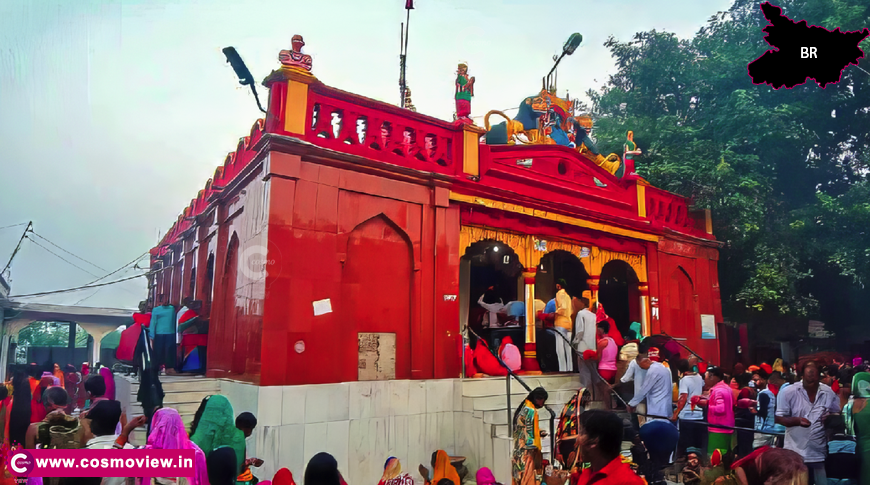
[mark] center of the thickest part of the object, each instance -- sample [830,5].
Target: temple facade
[342,225]
[345,246]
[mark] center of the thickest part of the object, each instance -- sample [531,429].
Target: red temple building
[347,239]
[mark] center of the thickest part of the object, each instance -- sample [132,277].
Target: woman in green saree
[216,427]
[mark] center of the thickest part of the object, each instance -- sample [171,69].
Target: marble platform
[363,423]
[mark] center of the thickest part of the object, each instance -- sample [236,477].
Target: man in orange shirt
[600,442]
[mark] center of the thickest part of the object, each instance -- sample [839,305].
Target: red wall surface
[368,244]
[682,287]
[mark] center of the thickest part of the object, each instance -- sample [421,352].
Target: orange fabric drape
[444,469]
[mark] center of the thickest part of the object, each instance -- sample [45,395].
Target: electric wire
[68,252]
[81,287]
[125,267]
[136,260]
[60,257]
[13,225]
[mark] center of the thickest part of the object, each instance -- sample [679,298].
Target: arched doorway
[209,285]
[618,292]
[680,319]
[560,265]
[376,298]
[491,273]
[230,314]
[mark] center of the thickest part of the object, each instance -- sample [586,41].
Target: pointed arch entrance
[490,273]
[560,265]
[377,285]
[620,294]
[681,320]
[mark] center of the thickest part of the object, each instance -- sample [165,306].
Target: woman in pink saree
[109,377]
[168,433]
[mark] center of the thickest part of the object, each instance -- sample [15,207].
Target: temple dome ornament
[294,58]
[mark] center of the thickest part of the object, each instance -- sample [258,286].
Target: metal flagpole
[409,5]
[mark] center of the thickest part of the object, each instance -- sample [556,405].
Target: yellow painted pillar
[643,289]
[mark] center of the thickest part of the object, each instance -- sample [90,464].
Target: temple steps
[182,393]
[486,435]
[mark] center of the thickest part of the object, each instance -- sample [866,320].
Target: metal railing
[510,417]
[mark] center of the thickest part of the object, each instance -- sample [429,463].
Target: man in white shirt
[802,408]
[637,374]
[584,339]
[692,434]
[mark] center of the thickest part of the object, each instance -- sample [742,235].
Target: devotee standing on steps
[658,434]
[802,409]
[563,325]
[606,357]
[162,333]
[527,437]
[637,374]
[585,338]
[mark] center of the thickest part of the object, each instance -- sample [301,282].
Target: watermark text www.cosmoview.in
[101,463]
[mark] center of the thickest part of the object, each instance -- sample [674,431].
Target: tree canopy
[784,172]
[50,334]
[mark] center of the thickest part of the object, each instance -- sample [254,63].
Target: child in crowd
[247,422]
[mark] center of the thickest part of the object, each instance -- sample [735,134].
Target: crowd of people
[42,414]
[804,423]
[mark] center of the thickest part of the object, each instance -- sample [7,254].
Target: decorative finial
[408,104]
[294,58]
[463,95]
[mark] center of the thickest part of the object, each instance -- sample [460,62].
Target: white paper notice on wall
[322,307]
[708,326]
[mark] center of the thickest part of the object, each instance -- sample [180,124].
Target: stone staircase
[183,393]
[482,429]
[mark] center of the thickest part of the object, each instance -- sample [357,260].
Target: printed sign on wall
[708,326]
[377,356]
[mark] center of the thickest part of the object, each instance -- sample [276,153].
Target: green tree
[784,172]
[50,334]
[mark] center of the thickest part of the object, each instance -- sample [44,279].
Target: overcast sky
[113,114]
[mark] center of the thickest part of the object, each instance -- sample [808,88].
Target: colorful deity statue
[464,93]
[294,58]
[630,150]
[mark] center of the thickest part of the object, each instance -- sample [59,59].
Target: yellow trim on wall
[641,200]
[471,152]
[295,107]
[573,221]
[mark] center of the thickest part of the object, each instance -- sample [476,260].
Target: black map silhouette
[802,52]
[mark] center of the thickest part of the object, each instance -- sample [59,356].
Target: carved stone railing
[356,125]
[671,211]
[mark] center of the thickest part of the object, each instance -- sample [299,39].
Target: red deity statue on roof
[294,58]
